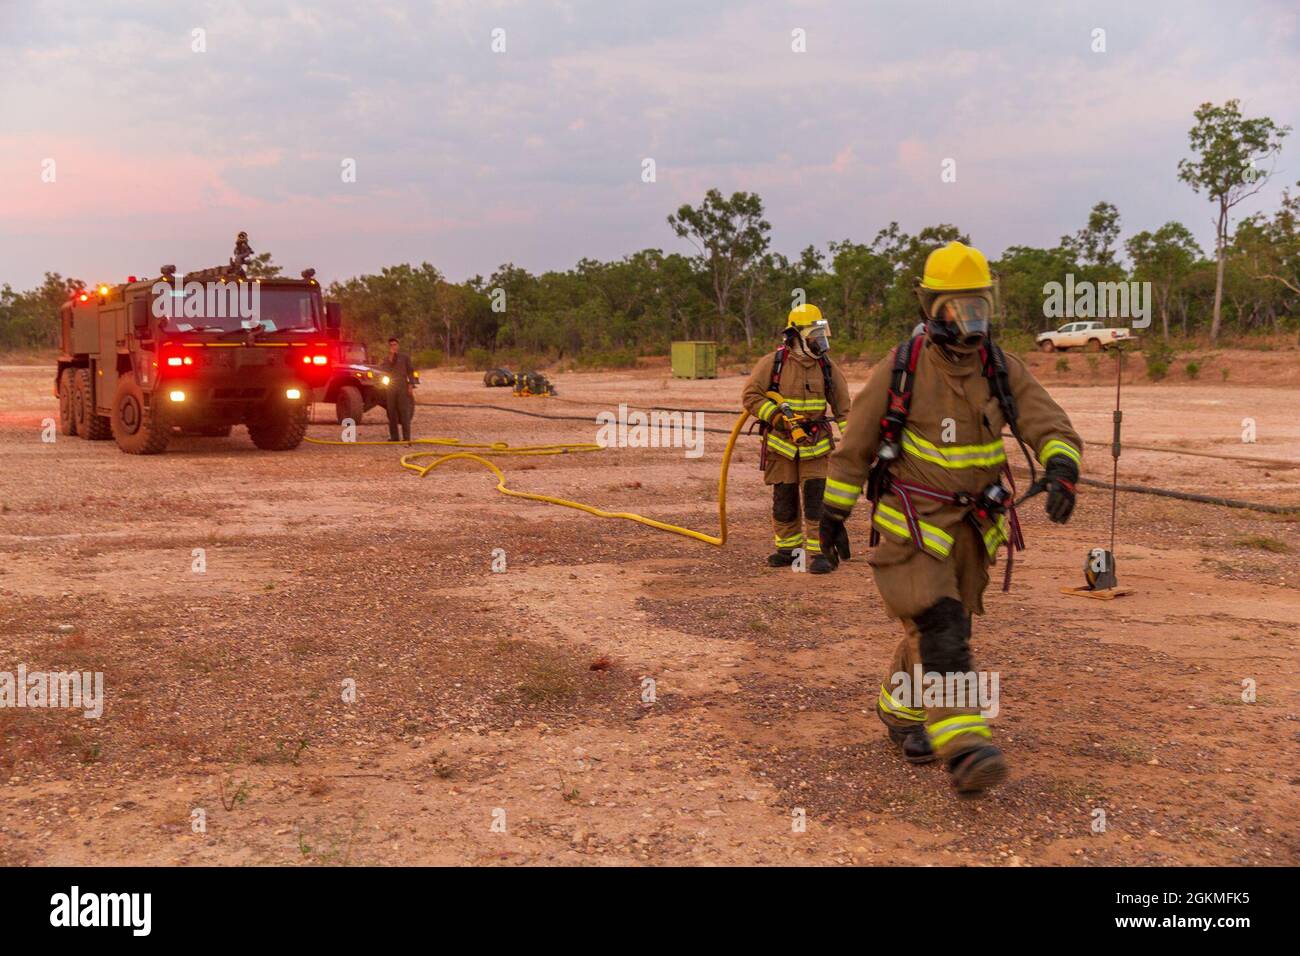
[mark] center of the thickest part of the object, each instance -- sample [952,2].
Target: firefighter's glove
[1061,478]
[834,538]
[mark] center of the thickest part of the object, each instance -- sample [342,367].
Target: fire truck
[195,354]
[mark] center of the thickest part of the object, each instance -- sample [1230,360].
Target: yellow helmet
[806,321]
[956,266]
[803,315]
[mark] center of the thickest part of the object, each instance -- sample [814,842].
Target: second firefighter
[796,393]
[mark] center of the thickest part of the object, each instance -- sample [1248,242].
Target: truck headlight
[293,394]
[177,396]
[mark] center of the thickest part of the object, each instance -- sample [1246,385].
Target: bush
[1158,356]
[1016,341]
[1225,373]
[1193,369]
[480,360]
[614,358]
[1063,364]
[1094,363]
[428,358]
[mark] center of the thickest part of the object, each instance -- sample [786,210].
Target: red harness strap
[906,356]
[906,489]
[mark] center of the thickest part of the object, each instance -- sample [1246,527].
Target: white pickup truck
[1092,336]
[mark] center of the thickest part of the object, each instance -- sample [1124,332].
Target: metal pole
[1115,446]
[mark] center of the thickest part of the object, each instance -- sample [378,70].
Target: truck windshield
[229,307]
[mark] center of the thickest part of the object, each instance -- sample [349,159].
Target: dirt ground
[515,698]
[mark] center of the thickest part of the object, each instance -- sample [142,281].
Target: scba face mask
[963,320]
[816,337]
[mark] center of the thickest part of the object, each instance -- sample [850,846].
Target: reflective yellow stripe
[783,448]
[807,404]
[996,535]
[954,456]
[794,541]
[934,539]
[766,409]
[942,731]
[841,493]
[789,450]
[1057,447]
[813,545]
[822,447]
[890,705]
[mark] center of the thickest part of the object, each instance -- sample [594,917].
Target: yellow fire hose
[410,461]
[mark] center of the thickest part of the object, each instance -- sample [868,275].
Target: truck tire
[136,429]
[1047,345]
[68,402]
[349,404]
[281,429]
[89,425]
[1094,345]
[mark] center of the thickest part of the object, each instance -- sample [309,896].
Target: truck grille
[238,393]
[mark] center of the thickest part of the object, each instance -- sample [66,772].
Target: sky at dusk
[468,158]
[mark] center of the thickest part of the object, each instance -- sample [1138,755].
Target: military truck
[356,385]
[194,354]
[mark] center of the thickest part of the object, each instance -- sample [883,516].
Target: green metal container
[695,360]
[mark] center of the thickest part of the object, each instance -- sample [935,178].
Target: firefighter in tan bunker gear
[796,393]
[925,438]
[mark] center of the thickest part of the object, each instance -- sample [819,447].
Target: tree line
[732,287]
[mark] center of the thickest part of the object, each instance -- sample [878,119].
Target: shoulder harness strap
[889,448]
[778,362]
[900,388]
[994,363]
[828,384]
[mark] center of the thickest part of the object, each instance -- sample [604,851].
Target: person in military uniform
[243,252]
[795,393]
[925,438]
[400,400]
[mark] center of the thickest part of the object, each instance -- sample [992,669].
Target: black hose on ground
[572,418]
[1091,482]
[1199,499]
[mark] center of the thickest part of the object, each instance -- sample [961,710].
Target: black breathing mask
[816,337]
[961,321]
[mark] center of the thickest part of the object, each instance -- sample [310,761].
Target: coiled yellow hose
[411,462]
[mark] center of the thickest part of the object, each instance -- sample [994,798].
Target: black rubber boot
[977,770]
[913,741]
[820,565]
[781,559]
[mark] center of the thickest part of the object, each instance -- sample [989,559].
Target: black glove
[1060,480]
[834,538]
